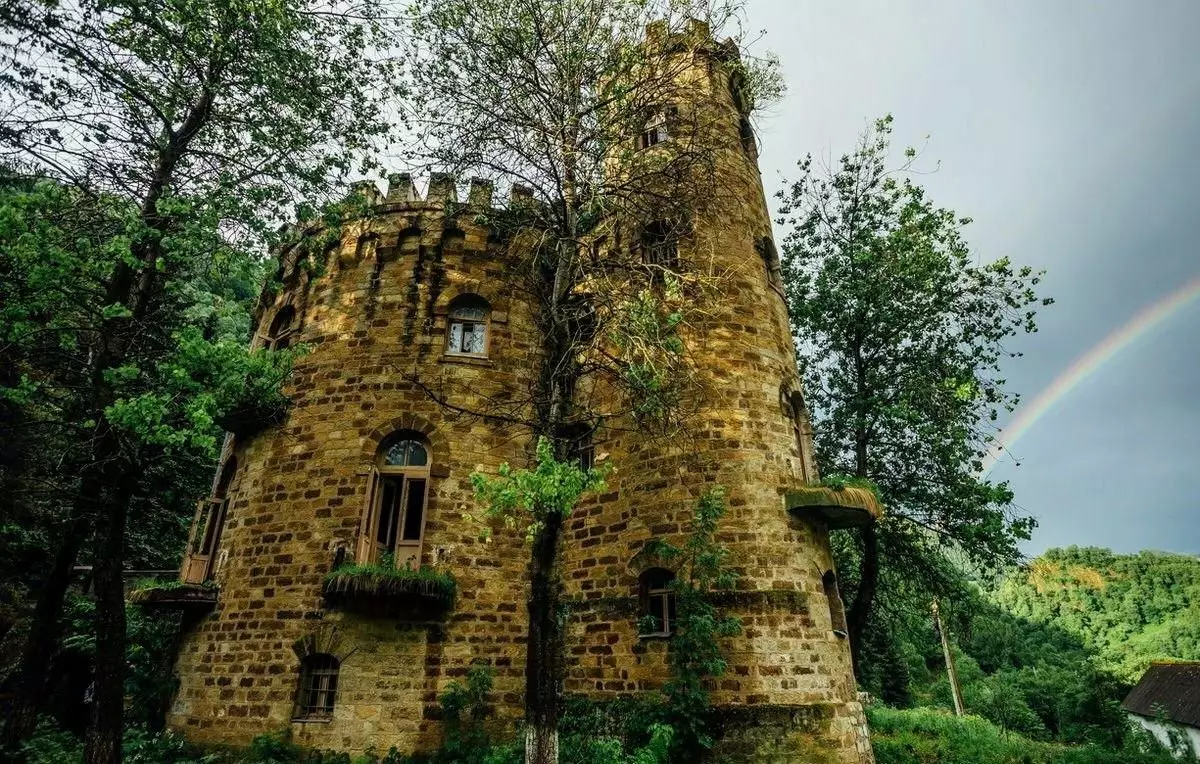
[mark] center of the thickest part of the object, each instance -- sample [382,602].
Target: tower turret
[421,350]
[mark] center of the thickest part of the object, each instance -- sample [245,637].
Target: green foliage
[839,481]
[925,736]
[1128,609]
[1038,651]
[900,336]
[696,656]
[523,498]
[386,570]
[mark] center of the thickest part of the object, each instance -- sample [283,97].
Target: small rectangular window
[655,128]
[467,337]
[318,687]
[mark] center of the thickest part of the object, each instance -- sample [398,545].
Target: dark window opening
[318,687]
[837,610]
[770,256]
[746,133]
[279,336]
[660,247]
[658,603]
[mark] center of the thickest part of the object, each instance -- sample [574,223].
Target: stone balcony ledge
[838,507]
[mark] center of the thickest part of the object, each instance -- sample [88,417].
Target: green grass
[929,736]
[381,579]
[166,585]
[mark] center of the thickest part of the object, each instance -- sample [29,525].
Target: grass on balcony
[382,582]
[155,592]
[844,502]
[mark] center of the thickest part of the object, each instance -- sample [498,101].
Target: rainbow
[1143,322]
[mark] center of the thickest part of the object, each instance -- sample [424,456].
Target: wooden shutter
[370,519]
[409,538]
[206,531]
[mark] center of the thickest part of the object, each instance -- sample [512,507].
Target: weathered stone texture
[375,317]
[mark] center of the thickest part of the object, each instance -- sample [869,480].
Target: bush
[928,736]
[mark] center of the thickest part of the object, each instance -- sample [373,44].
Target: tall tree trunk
[103,740]
[543,650]
[864,598]
[45,631]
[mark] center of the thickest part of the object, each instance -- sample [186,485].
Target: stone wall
[374,314]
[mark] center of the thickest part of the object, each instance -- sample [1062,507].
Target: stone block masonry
[390,314]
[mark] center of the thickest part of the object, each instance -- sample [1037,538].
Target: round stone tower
[419,353]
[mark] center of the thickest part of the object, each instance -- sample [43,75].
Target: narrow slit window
[837,610]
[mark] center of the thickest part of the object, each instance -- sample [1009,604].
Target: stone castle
[412,321]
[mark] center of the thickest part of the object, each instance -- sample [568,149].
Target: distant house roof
[1169,689]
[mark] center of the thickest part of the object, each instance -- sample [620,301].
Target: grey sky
[1069,132]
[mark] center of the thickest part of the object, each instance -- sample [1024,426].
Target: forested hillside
[1047,650]
[1127,609]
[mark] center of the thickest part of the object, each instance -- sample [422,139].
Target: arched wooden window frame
[204,538]
[283,327]
[397,503]
[468,311]
[796,413]
[837,609]
[657,603]
[316,694]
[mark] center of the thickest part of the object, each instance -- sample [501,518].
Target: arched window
[796,413]
[209,521]
[837,610]
[658,603]
[770,256]
[279,336]
[393,524]
[466,333]
[318,687]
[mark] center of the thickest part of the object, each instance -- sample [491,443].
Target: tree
[189,128]
[901,337]
[550,98]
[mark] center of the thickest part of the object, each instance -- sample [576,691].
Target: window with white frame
[658,603]
[467,328]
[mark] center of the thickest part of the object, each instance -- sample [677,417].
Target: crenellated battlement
[441,192]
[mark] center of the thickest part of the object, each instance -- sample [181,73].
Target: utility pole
[951,671]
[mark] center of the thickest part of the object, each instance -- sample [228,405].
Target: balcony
[174,595]
[838,504]
[380,590]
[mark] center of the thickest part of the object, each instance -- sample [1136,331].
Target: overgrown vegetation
[384,579]
[1047,651]
[900,335]
[1128,610]
[928,736]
